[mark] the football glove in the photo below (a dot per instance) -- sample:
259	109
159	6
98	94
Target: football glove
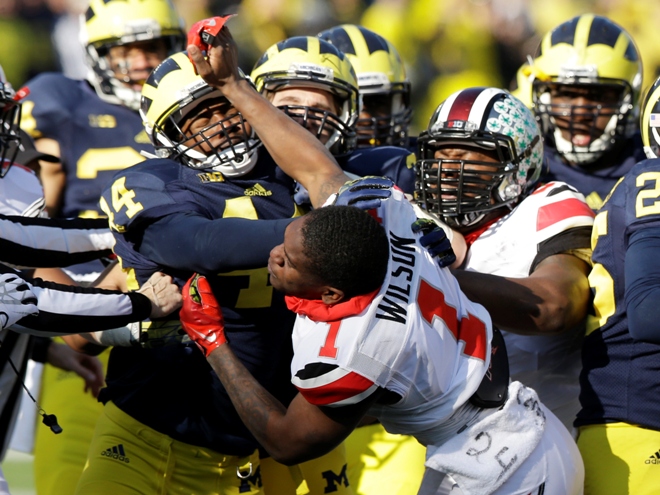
201	315
365	193
16	300
435	240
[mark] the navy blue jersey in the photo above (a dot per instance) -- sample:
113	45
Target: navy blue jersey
620	380
173	389
594	181
388	161
96	138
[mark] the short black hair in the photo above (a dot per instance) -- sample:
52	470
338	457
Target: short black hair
346	248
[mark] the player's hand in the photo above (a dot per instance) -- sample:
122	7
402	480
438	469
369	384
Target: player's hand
163	293
16	300
89	368
435	240
365	193
220	65
201	315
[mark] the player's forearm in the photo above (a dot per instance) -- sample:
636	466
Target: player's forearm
245	244
258	409
546	304
296	150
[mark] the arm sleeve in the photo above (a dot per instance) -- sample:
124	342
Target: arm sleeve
642	273
211	246
47	242
66	309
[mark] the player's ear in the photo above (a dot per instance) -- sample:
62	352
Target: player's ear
331	295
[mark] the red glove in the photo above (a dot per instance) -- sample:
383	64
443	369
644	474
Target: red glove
201	315
203	32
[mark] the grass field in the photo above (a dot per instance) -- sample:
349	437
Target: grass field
18	471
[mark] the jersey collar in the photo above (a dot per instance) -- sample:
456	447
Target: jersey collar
317	310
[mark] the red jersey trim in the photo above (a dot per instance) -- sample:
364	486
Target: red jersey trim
561	210
344	388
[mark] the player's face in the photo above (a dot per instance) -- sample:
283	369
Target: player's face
374	117
287	265
312	98
581	113
466	165
214	127
133	62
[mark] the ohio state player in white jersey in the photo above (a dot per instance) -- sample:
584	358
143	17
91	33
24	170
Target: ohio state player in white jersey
337	264
411	353
528	246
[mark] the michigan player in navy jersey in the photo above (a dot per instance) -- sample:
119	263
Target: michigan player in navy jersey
314	82
94	127
216	203
619	426
585	82
384	86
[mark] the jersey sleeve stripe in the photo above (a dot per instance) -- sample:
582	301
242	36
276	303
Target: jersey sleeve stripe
553	213
349	389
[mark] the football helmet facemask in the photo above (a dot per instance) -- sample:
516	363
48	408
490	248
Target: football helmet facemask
10	115
591	58
172	94
383	85
477	118
307	62
152	27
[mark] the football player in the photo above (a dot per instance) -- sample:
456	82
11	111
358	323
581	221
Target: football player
585	81
527	247
619	431
93	126
213	202
314	83
384	332
383	84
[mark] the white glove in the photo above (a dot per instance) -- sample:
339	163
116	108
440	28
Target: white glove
16	300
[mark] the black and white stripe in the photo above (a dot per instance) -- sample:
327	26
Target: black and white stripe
47	242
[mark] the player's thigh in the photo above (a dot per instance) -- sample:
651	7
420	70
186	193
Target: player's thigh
59	459
327	474
128	457
382	462
620	459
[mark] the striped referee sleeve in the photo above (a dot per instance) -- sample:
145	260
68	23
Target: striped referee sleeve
66	309
49	242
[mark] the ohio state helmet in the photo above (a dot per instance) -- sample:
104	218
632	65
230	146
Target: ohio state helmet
479	118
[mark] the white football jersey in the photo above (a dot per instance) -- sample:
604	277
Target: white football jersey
418	336
509	248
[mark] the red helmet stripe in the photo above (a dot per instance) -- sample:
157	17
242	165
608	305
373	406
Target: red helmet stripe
460	109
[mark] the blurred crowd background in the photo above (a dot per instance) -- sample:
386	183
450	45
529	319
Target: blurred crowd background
446	44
